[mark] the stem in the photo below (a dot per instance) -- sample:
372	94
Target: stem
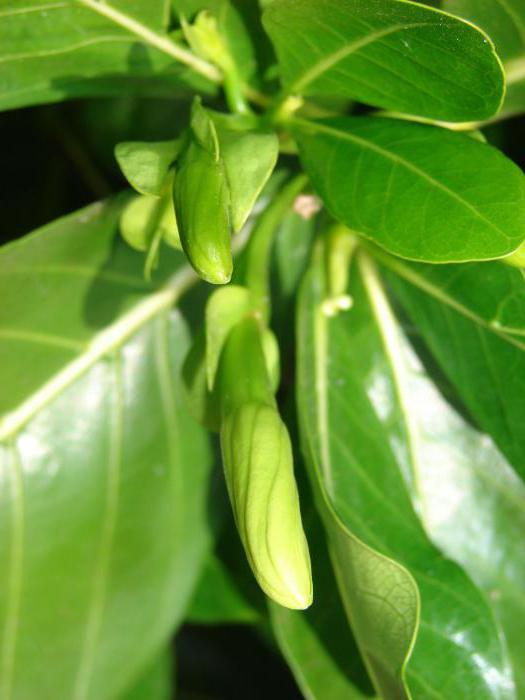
233	89
163	43
257	278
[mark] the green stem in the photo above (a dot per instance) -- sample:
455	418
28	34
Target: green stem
233	90
188	58
163	43
258	257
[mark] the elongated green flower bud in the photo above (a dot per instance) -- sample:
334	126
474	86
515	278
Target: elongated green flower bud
258	465
201	200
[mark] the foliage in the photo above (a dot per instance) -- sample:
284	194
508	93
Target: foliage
359	369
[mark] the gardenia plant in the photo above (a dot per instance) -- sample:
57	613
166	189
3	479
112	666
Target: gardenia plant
320	274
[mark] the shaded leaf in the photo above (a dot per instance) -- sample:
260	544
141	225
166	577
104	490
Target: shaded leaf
504	21
317	643
102	536
156	681
79	48
218	598
419	191
397	55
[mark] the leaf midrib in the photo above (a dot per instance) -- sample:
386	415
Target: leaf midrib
107	341
397	160
332	59
432	290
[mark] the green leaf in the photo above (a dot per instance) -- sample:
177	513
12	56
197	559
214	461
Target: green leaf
317	643
452	638
504	21
56	51
396	55
218	599
145	164
249	158
469	500
465	202
473	320
156	681
93	432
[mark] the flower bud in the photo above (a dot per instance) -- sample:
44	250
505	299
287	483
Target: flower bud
258	465
201	200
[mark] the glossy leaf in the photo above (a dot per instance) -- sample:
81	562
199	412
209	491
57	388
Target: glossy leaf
469	500
397	55
145	164
93	432
360	476
419	191
472	319
504	21
55	51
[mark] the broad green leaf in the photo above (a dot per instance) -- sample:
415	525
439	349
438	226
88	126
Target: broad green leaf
78	48
469	500
360	474
156	682
145	164
218	599
317	643
397	55
102	533
504	21
473	320
419	191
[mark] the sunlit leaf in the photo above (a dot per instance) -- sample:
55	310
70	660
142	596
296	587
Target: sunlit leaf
419	191
102	535
396	55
